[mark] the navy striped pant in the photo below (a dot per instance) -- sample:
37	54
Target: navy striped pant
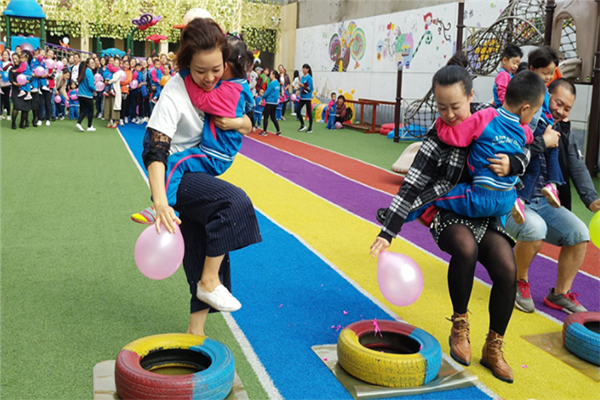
216	218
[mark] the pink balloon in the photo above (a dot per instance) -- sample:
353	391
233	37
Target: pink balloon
338	125
39	71
134	84
123	78
57	99
97	78
21	79
60	65
66	103
399	277
100	86
49	63
293	97
158	256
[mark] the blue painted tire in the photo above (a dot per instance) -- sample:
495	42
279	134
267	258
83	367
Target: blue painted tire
134	378
413	356
582	337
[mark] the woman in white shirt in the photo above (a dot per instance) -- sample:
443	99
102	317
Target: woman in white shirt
215	217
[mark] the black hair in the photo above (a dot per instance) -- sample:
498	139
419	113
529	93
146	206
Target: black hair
309	69
523	66
333	93
296	74
542	57
564	83
451	74
511	51
237	56
459	59
81	72
525	88
249	60
276	73
342	97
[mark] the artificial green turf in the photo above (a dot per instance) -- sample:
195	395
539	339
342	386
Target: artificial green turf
372	148
71	294
378	150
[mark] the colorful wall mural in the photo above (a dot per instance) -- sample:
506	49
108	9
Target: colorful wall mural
360	54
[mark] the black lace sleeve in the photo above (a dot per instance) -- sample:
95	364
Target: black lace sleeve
156	147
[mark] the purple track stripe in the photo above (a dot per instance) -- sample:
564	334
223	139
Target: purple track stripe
364	202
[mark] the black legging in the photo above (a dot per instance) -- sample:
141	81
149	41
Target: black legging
284	108
87	108
494	252
301	104
125	106
45	104
5	100
270	112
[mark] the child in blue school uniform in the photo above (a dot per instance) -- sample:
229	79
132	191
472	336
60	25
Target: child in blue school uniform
73	102
259	106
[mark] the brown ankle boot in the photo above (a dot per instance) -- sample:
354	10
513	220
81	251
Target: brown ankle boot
493	358
460	345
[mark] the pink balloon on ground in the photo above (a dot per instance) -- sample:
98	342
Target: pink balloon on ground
39	71
100	86
158	256
57	99
60	65
97	78
338	125
399	277
21	79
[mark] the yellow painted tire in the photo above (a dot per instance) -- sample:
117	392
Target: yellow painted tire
371	358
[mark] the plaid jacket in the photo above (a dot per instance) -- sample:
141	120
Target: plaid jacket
436	169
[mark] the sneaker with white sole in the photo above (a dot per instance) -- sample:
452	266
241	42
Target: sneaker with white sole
80	128
28	97
8	118
551	194
47	122
518	211
309	131
91	129
302	129
39	123
219	299
22	93
523	301
564	302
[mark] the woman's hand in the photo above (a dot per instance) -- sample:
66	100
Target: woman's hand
501	165
380	244
595	206
228	124
166	216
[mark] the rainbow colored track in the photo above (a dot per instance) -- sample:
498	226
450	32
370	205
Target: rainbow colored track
312	274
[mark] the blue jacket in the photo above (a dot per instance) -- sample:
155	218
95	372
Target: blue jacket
86	87
271	95
309	95
258	108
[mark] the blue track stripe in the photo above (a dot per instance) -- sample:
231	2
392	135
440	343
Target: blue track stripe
291	299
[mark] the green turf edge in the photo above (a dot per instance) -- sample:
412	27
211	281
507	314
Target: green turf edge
71	295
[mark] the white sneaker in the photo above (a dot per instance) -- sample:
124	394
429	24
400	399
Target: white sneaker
302	129
121	122
91	129
39	123
45	88
1	116
62	118
8	118
47	122
28	97
126	120
80	128
219	299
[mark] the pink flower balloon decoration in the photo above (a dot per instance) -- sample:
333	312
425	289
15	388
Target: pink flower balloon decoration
399	277
158	255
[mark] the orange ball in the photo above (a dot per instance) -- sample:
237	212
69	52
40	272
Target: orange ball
164	80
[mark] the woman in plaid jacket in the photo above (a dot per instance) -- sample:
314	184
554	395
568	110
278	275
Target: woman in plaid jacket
437	168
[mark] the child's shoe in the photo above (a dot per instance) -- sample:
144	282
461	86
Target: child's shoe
34	90
551	194
146	217
45	88
112	93
518	211
28	97
22	93
105	94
